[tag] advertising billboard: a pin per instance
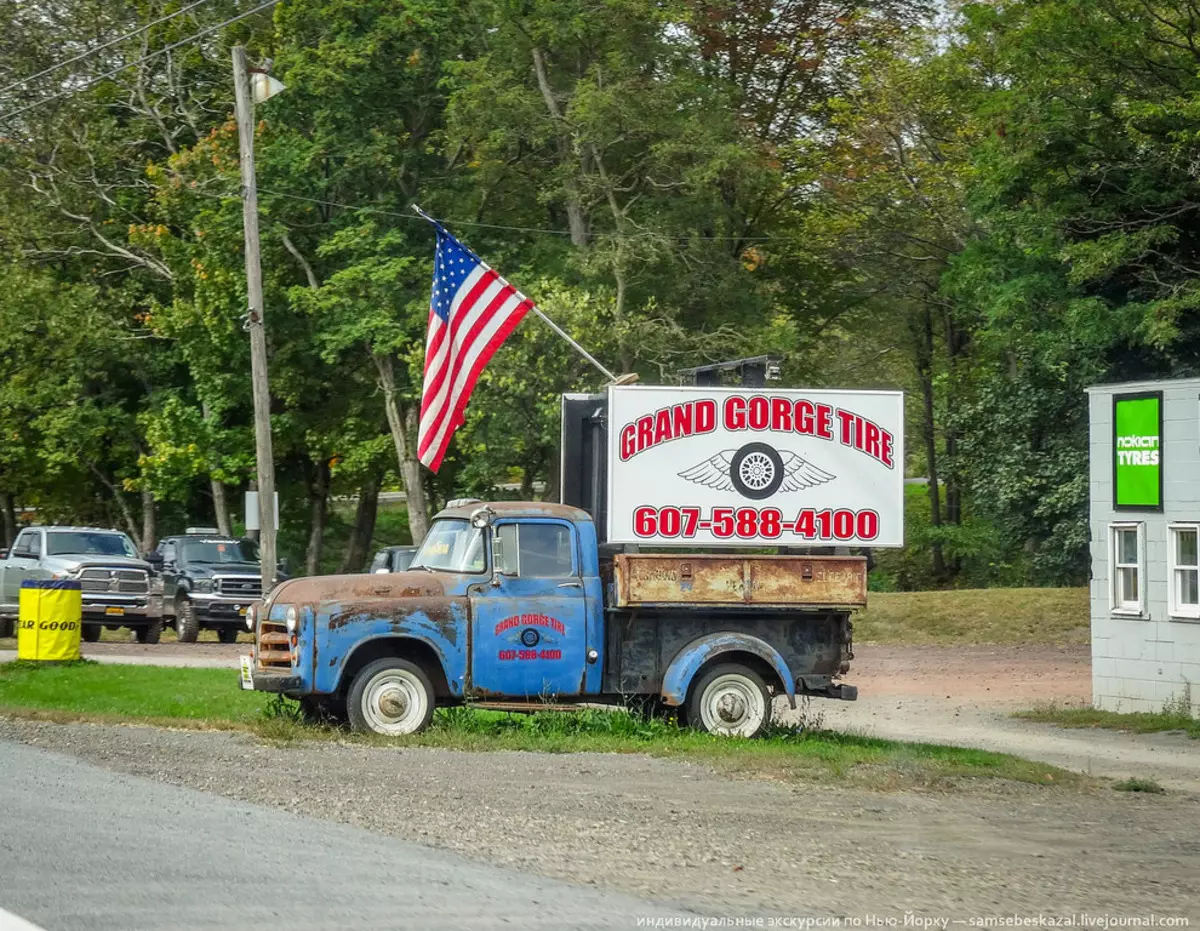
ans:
(755, 467)
(1137, 451)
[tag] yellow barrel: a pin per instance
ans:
(49, 619)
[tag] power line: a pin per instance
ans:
(162, 51)
(100, 48)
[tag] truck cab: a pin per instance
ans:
(511, 605)
(115, 580)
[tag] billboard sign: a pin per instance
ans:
(1137, 451)
(755, 467)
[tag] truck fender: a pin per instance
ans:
(687, 662)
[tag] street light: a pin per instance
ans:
(264, 87)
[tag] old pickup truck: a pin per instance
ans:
(116, 582)
(513, 606)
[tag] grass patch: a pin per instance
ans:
(976, 616)
(1173, 718)
(1134, 784)
(109, 692)
(209, 699)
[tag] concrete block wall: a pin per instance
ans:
(1142, 663)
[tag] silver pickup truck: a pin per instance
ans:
(117, 584)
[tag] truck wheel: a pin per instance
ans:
(390, 696)
(227, 634)
(91, 632)
(151, 633)
(187, 628)
(731, 700)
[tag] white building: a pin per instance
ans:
(1145, 523)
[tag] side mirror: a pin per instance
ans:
(155, 559)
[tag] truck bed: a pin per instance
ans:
(646, 579)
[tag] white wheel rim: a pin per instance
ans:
(394, 703)
(733, 706)
(757, 471)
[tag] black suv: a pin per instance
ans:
(208, 582)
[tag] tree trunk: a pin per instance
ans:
(149, 521)
(221, 507)
(318, 497)
(361, 535)
(576, 220)
(122, 506)
(924, 360)
(9, 509)
(220, 502)
(404, 425)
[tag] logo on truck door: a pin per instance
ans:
(528, 633)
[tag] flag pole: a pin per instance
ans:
(537, 310)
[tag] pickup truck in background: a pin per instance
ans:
(393, 559)
(116, 583)
(512, 606)
(208, 582)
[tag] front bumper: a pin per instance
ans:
(220, 608)
(268, 681)
(139, 611)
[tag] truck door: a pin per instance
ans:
(22, 564)
(529, 630)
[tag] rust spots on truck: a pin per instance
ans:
(811, 581)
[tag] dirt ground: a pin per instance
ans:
(683, 833)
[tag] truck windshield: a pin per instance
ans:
(218, 551)
(86, 543)
(452, 546)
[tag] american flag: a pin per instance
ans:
(471, 312)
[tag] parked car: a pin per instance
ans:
(116, 583)
(208, 582)
(393, 559)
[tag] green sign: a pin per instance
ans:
(1137, 451)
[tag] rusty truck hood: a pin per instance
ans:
(372, 587)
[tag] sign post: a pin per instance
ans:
(753, 467)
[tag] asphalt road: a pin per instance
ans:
(84, 848)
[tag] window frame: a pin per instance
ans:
(35, 544)
(1115, 605)
(517, 522)
(1175, 610)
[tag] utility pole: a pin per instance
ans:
(244, 107)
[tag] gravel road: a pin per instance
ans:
(90, 850)
(682, 833)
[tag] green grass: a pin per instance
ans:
(202, 696)
(1170, 719)
(1134, 784)
(976, 616)
(210, 699)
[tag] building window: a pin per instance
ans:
(1128, 552)
(1185, 570)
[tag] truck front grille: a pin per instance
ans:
(238, 586)
(274, 648)
(99, 580)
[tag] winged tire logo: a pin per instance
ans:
(756, 471)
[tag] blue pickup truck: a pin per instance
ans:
(513, 605)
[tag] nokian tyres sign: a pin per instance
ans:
(1137, 451)
(752, 467)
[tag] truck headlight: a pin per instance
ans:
(203, 585)
(292, 618)
(251, 613)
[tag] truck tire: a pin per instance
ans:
(730, 700)
(390, 696)
(91, 632)
(227, 634)
(151, 633)
(187, 628)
